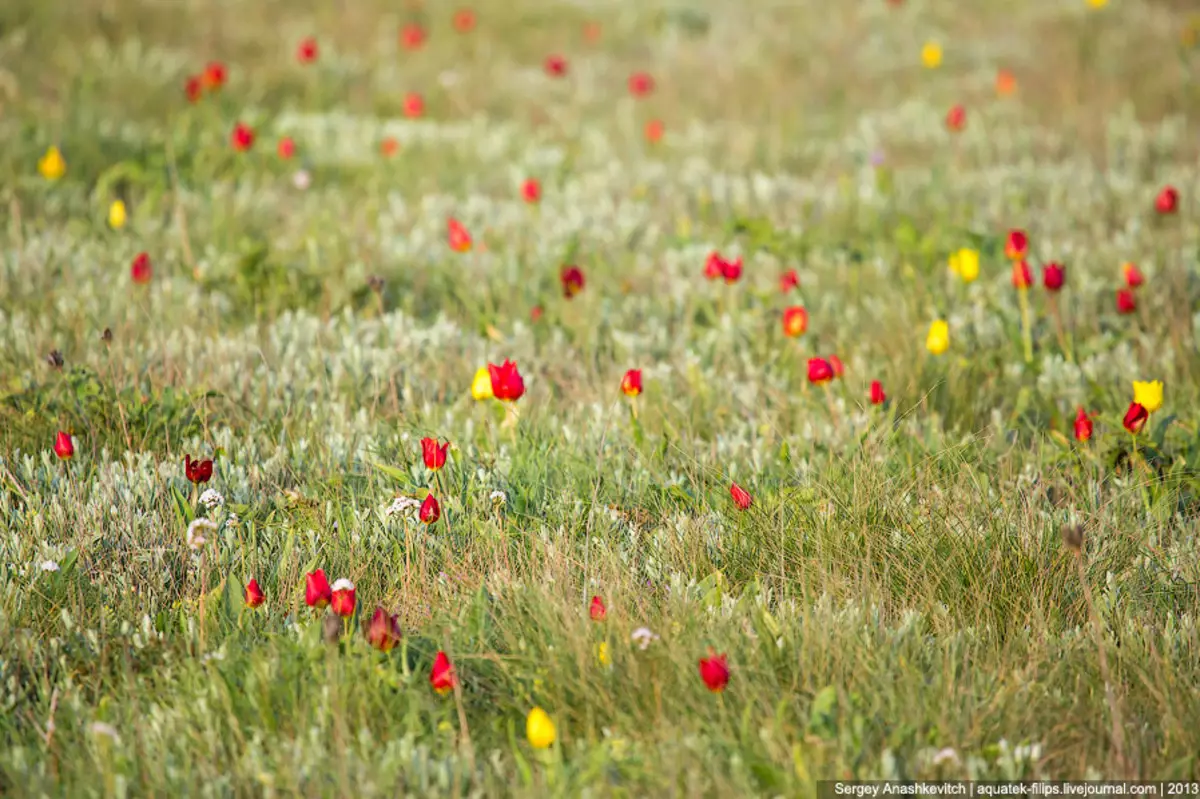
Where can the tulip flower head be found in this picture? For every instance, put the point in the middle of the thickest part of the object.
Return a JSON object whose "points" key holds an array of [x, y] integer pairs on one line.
{"points": [[389, 146], [572, 281], [713, 266], [937, 341], [481, 385], [714, 670], [631, 383], [441, 676], [1135, 418], [1053, 275], [214, 76], [877, 396], [965, 264], [741, 497], [1006, 83], [795, 321], [597, 610], [931, 55], [1083, 425], [341, 599], [193, 87], [412, 37], [431, 511], [556, 66], [464, 20], [1133, 276], [820, 371], [654, 131], [539, 729], [1022, 277], [507, 384], [531, 190], [1126, 302], [1167, 201], [306, 51], [641, 84], [317, 592], [287, 148], [1016, 246], [835, 363], [535, 313], [956, 119], [414, 105], [64, 447], [253, 595], [1148, 394], [117, 215], [141, 269], [591, 32], [198, 472], [457, 236], [433, 453], [732, 270], [242, 138], [383, 631], [789, 280], [52, 165]]}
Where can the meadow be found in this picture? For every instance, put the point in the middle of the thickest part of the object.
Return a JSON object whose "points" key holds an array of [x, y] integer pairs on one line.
{"points": [[840, 419]]}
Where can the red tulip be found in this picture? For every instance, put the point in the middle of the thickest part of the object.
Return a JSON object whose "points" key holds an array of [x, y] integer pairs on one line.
{"points": [[1167, 201], [214, 75], [389, 147], [1135, 418], [1133, 275], [253, 595], [731, 270], [795, 321], [464, 20], [1126, 303], [631, 383], [287, 147], [341, 598], [197, 472], [877, 395], [531, 190], [1053, 275], [1017, 244], [714, 670], [654, 131], [741, 497], [572, 280], [317, 593], [713, 266], [140, 270], [1083, 425], [457, 235], [956, 119], [535, 313], [820, 371], [194, 88], [556, 66], [1022, 277], [242, 137], [434, 455], [788, 281], [412, 36], [507, 384], [641, 84], [836, 364], [383, 631], [431, 511], [306, 52], [64, 447], [441, 676], [597, 610], [414, 105]]}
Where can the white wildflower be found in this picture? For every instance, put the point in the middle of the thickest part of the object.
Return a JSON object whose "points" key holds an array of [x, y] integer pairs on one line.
{"points": [[232, 521], [643, 637], [302, 179], [211, 498], [342, 585], [498, 498], [406, 506], [107, 730], [195, 532], [947, 755], [49, 566]]}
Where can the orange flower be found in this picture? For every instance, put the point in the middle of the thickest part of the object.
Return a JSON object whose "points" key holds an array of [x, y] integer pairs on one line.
{"points": [[631, 383], [1006, 83], [655, 130], [457, 235], [464, 20], [1017, 244], [389, 147], [214, 75], [1022, 278], [795, 321]]}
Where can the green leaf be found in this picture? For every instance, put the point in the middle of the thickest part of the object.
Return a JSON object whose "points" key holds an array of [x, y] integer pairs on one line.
{"points": [[393, 472], [821, 717]]}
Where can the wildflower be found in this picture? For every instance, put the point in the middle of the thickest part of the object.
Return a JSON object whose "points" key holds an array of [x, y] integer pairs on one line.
{"points": [[506, 381], [55, 359], [713, 266], [253, 595], [52, 165], [1022, 277], [193, 88], [539, 729], [602, 656], [232, 521], [714, 670], [965, 264], [341, 598], [1135, 418], [441, 676], [788, 281], [819, 371], [431, 511], [402, 506], [556, 66], [464, 20], [433, 454], [531, 190], [414, 105], [1083, 425], [317, 593], [836, 364], [876, 394], [795, 321], [956, 118], [211, 498], [1006, 83], [597, 610], [383, 631], [1167, 201], [945, 755], [535, 314], [641, 84], [481, 385], [106, 730], [1133, 276], [457, 236], [731, 270], [654, 131], [631, 383], [306, 51], [1148, 394], [197, 472], [741, 497], [141, 269], [215, 75], [412, 36], [48, 566], [287, 147], [1053, 275], [498, 498], [302, 179], [1016, 245], [117, 215], [572, 280], [389, 146], [242, 137], [1126, 303], [931, 55], [195, 532], [643, 637], [591, 31], [938, 339], [1097, 3], [64, 447]]}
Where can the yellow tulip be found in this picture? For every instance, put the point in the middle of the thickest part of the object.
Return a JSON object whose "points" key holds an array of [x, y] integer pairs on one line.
{"points": [[117, 215], [1097, 3], [602, 654], [539, 729], [51, 165], [931, 55], [1149, 395], [938, 340], [481, 386], [968, 265]]}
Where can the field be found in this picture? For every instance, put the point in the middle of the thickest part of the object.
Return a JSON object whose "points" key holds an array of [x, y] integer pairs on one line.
{"points": [[226, 241]]}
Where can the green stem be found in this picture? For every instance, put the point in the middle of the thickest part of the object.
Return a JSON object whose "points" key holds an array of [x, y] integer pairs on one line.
{"points": [[1026, 326]]}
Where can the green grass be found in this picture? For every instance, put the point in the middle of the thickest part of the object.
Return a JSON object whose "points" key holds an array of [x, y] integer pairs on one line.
{"points": [[898, 601]]}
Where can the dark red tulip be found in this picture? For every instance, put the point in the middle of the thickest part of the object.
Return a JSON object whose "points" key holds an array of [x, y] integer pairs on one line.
{"points": [[383, 631], [441, 676], [556, 66], [732, 270], [431, 511], [820, 371], [1126, 303], [242, 137], [1083, 425], [572, 280], [1135, 418], [253, 595], [597, 610], [956, 118], [1167, 201], [507, 384], [197, 472], [64, 447], [795, 321], [1022, 277], [194, 88], [741, 497], [1053, 275], [306, 51], [877, 395], [434, 455], [141, 270], [317, 593], [1017, 244], [641, 84], [788, 281], [531, 190], [714, 670]]}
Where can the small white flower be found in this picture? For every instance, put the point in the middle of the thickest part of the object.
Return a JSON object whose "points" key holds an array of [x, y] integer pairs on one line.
{"points": [[49, 566], [211, 498], [342, 585], [402, 506], [107, 730], [498, 498], [302, 179], [643, 637], [232, 521], [947, 755], [195, 532]]}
